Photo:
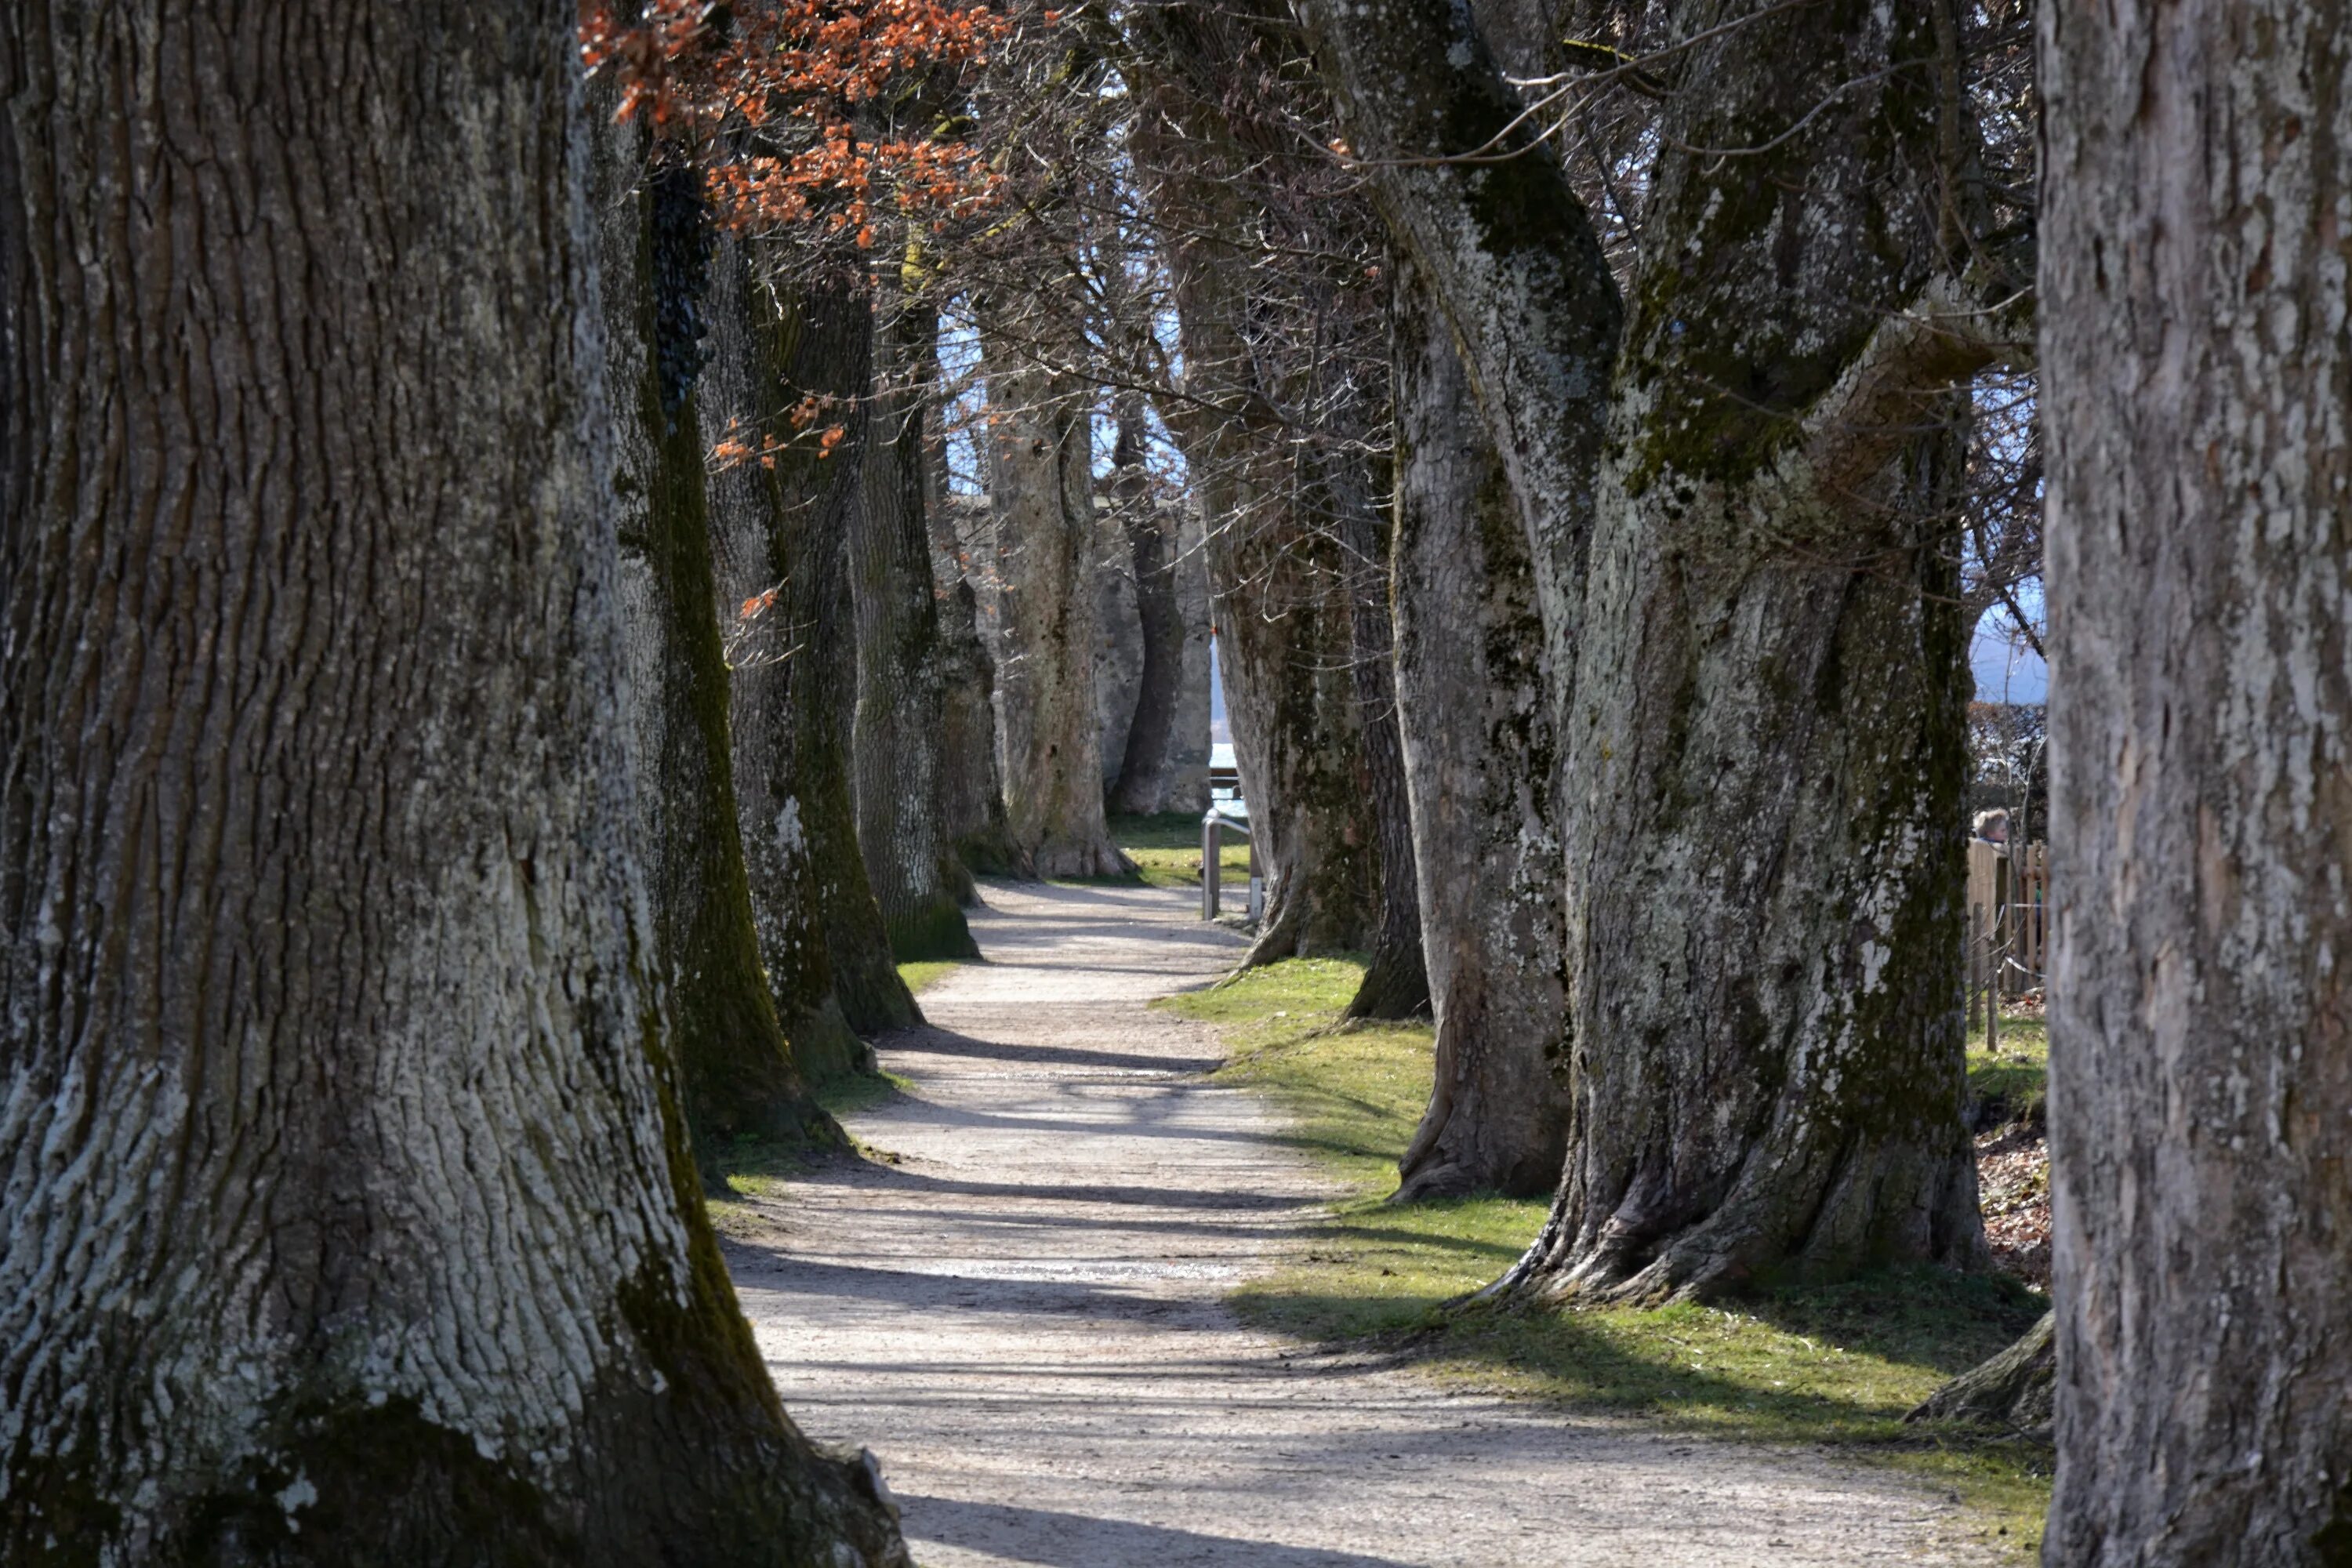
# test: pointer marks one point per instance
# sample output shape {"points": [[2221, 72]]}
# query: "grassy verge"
{"points": [[1166, 849], [1833, 1367], [928, 972]]}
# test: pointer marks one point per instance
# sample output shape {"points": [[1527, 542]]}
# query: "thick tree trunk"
{"points": [[2196, 357], [653, 249], [1396, 980], [900, 680], [1479, 768], [1041, 501], [781, 528], [350, 1216], [1148, 762], [1741, 548]]}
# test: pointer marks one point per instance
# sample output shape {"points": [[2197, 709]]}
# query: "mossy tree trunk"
{"points": [[900, 680], [811, 338], [351, 1215], [653, 251], [1041, 503], [2196, 356], [781, 528], [1743, 559], [1480, 769]]}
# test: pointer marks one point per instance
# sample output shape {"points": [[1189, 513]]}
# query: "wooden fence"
{"points": [[2009, 920]]}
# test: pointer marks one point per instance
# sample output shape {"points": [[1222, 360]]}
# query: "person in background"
{"points": [[1992, 826]]}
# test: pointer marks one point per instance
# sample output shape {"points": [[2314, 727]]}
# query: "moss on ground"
{"points": [[1832, 1367], [1166, 849]]}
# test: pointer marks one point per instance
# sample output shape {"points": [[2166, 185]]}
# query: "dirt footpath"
{"points": [[1024, 1317]]}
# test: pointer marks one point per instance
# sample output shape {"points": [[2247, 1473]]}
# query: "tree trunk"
{"points": [[2195, 355], [350, 1215], [1396, 980], [1041, 500], [1280, 597], [781, 527], [972, 798], [1284, 615], [653, 251], [1479, 768], [2011, 1390], [1739, 540], [1147, 760], [900, 681]]}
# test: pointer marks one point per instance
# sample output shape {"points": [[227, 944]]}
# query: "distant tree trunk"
{"points": [[781, 527], [1479, 766], [1188, 785], [1285, 643], [972, 798], [350, 1219], [1147, 765], [1742, 541], [1396, 980], [653, 249], [900, 683], [2195, 359], [1041, 500]]}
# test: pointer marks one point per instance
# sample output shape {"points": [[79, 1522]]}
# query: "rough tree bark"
{"points": [[653, 251], [1736, 530], [1146, 783], [782, 528], [1041, 504], [349, 1214], [1479, 770], [2196, 359], [1396, 978], [899, 675]]}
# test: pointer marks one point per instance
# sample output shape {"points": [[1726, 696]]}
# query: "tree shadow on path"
{"points": [[1051, 1540]]}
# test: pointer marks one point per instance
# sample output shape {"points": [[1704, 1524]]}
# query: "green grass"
{"points": [[1166, 849], [2014, 1078], [923, 972], [1833, 1367]]}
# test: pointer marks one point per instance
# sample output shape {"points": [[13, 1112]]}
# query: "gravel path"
{"points": [[1022, 1316]]}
